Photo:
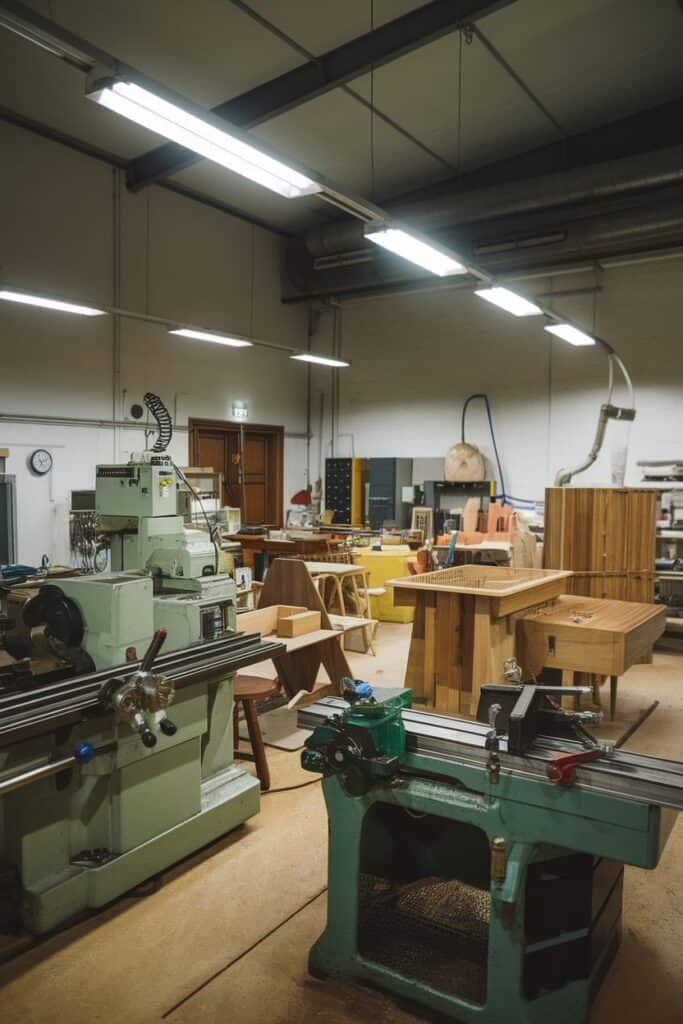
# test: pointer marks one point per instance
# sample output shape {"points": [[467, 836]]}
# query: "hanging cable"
{"points": [[485, 400], [213, 530], [372, 111]]}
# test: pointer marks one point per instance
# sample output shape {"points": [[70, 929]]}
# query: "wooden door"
{"points": [[212, 450], [251, 460]]}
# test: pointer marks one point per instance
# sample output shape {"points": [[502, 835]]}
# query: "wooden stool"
{"points": [[248, 690]]}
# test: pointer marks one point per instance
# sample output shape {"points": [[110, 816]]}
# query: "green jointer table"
{"points": [[461, 877]]}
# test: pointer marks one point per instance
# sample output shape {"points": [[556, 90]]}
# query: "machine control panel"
{"points": [[214, 621], [138, 489]]}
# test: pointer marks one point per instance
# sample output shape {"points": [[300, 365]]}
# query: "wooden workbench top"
{"points": [[577, 612], [480, 580]]}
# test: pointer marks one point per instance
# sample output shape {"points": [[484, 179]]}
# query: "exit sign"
{"points": [[240, 411]]}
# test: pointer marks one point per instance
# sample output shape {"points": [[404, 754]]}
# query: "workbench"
{"points": [[256, 543], [464, 627], [585, 634]]}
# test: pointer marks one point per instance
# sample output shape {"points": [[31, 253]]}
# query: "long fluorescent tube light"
{"points": [[571, 334], [45, 303], [311, 357], [217, 339], [410, 247], [509, 301], [196, 131]]}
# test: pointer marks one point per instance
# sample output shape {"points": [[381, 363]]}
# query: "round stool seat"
{"points": [[254, 688]]}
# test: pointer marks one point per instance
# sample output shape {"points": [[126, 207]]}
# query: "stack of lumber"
{"points": [[606, 536]]}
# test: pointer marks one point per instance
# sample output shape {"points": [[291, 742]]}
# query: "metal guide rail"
{"points": [[44, 708], [636, 777]]}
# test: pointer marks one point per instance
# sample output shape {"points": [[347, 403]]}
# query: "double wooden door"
{"points": [[251, 461]]}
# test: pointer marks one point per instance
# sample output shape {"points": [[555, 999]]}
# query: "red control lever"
{"points": [[562, 768]]}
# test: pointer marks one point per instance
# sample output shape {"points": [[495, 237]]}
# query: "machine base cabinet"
{"points": [[419, 905]]}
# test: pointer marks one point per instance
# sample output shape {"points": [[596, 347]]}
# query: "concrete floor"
{"points": [[226, 935]]}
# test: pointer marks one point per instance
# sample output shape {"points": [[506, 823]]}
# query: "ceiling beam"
{"points": [[320, 75]]}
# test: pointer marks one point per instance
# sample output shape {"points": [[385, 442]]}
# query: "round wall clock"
{"points": [[40, 461]]}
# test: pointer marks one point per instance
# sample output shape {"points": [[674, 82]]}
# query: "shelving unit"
{"points": [[669, 544]]}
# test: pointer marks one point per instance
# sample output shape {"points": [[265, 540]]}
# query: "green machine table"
{"points": [[476, 868]]}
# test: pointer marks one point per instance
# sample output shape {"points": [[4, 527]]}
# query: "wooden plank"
{"points": [[443, 654], [455, 677], [467, 654], [404, 598], [430, 645], [415, 666], [481, 649]]}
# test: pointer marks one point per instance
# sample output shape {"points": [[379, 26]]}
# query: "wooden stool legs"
{"points": [[257, 744], [258, 755]]}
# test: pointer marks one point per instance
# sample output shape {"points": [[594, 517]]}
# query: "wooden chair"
{"points": [[249, 690]]}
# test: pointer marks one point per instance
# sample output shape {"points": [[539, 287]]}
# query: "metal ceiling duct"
{"points": [[522, 211], [632, 204]]}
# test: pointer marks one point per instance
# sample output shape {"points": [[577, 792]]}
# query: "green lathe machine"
{"points": [[117, 763], [476, 868]]}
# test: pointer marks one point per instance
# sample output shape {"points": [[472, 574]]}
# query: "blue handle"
{"points": [[364, 689], [84, 752]]}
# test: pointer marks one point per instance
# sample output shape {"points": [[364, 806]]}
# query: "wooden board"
{"points": [[585, 634], [480, 580], [299, 623]]}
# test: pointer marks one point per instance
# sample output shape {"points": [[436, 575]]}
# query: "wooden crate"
{"points": [[606, 536]]}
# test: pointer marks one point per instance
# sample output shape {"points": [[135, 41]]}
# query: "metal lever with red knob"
{"points": [[562, 768]]}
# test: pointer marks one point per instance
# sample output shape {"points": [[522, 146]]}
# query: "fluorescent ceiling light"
{"points": [[407, 245], [311, 357], [509, 301], [198, 133], [44, 303], [571, 334], [217, 339]]}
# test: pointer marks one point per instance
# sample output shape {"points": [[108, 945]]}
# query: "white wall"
{"points": [[177, 259], [416, 357]]}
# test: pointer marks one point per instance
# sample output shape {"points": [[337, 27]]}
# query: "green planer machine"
{"points": [[477, 868], [119, 761]]}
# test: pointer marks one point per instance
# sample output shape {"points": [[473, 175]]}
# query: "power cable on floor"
{"points": [[288, 789]]}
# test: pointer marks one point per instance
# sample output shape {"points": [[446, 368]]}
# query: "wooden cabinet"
{"points": [[605, 536]]}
